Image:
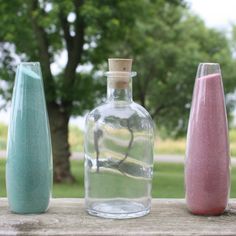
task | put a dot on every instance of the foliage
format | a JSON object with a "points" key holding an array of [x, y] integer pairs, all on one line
{"points": [[167, 46], [42, 30], [166, 41]]}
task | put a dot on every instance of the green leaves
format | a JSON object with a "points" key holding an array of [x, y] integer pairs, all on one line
{"points": [[166, 41]]}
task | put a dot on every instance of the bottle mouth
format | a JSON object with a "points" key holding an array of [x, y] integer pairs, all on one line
{"points": [[208, 68], [30, 70], [120, 74], [32, 63]]}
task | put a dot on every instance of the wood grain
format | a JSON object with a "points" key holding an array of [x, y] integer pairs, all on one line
{"points": [[68, 217]]}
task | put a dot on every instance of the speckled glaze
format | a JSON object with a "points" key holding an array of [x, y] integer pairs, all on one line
{"points": [[207, 172], [29, 158]]}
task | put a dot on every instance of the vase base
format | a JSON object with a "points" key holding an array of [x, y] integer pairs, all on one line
{"points": [[214, 212]]}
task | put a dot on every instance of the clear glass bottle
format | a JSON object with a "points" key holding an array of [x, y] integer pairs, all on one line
{"points": [[119, 138]]}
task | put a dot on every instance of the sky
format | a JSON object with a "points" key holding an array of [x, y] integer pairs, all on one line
{"points": [[218, 14]]}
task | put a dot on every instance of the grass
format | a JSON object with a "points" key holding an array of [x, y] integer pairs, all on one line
{"points": [[3, 136], [169, 146], [168, 181], [76, 139], [72, 190]]}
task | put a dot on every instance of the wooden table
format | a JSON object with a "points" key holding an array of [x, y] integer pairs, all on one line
{"points": [[68, 217]]}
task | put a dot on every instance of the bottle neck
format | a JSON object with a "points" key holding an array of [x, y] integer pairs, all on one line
{"points": [[119, 91]]}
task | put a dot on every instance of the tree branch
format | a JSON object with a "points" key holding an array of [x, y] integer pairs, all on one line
{"points": [[43, 49], [78, 41], [141, 93], [74, 55], [157, 110], [144, 87], [66, 30], [161, 107]]}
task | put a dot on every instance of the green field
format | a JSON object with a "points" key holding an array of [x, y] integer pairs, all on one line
{"points": [[162, 146], [167, 183], [168, 178]]}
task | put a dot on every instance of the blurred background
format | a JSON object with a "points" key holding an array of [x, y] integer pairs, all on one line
{"points": [[72, 40]]}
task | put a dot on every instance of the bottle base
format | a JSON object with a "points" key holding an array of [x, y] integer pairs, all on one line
{"points": [[118, 209], [216, 211], [28, 212], [23, 208]]}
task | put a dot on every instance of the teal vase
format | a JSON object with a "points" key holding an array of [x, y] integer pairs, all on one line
{"points": [[29, 154]]}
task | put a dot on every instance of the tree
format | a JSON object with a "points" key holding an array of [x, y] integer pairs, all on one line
{"points": [[39, 30], [165, 41], [171, 45]]}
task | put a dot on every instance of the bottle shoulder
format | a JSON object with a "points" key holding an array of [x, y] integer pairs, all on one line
{"points": [[141, 110], [115, 113], [119, 110]]}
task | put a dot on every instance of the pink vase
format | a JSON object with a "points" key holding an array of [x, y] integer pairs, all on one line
{"points": [[207, 164]]}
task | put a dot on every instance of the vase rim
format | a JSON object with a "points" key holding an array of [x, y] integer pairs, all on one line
{"points": [[209, 63], [30, 63]]}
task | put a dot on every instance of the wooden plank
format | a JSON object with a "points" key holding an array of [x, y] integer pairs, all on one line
{"points": [[68, 217]]}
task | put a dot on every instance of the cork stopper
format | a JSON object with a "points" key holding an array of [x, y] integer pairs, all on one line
{"points": [[119, 72], [116, 64]]}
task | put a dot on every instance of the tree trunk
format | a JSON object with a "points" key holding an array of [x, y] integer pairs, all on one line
{"points": [[59, 121]]}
